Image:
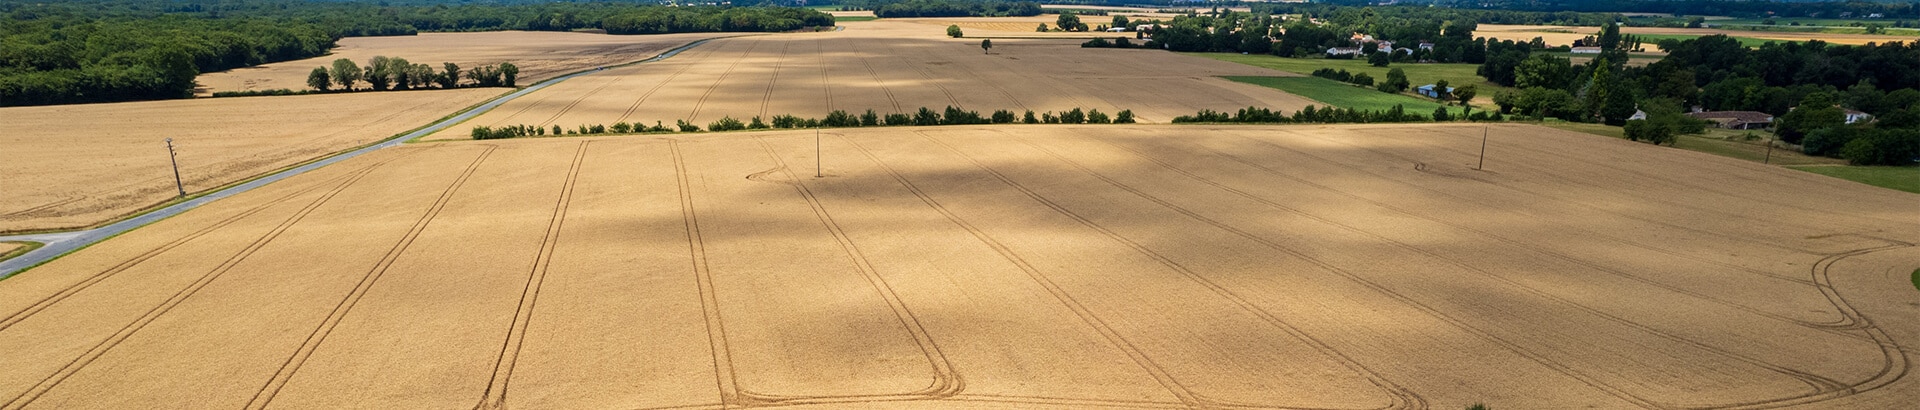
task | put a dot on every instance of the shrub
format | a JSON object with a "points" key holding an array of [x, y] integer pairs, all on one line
{"points": [[726, 124], [1441, 114], [1029, 119], [926, 117], [657, 127], [1002, 117], [1047, 117], [785, 121], [839, 118], [756, 124], [1362, 79], [869, 119], [897, 119], [556, 129], [1655, 132], [1074, 116], [622, 127], [1097, 117], [597, 129], [687, 126], [956, 116], [1123, 117]]}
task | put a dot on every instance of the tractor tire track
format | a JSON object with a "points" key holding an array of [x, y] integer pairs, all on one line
{"points": [[726, 380], [496, 395], [298, 358], [946, 381], [1402, 398], [130, 329], [877, 81], [656, 87], [694, 115], [136, 260], [767, 98], [1086, 315], [1819, 383]]}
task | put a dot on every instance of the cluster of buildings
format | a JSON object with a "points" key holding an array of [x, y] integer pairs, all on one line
{"points": [[1361, 40]]}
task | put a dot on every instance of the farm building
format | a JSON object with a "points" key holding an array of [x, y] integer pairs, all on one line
{"points": [[1427, 90], [1736, 120], [1343, 51], [1854, 116], [1586, 50]]}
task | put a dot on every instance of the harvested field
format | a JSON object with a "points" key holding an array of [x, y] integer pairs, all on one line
{"points": [[1149, 266], [888, 67], [539, 54], [72, 166]]}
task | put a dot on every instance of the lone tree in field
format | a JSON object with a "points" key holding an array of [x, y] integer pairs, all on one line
{"points": [[954, 31], [986, 46], [1042, 28], [318, 79], [1380, 59], [346, 73]]}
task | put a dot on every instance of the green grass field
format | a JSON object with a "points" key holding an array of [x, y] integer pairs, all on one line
{"points": [[855, 18], [1898, 178], [1418, 74], [1338, 94]]}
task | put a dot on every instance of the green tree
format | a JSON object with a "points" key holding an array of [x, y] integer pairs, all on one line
{"points": [[1067, 21], [1807, 118], [1541, 70], [1465, 93], [1042, 28], [1122, 22], [1029, 118], [318, 79], [375, 73], [1380, 59], [986, 46], [451, 77], [954, 31], [346, 73], [1441, 114], [1396, 81], [509, 72], [869, 118], [1440, 92], [1655, 132]]}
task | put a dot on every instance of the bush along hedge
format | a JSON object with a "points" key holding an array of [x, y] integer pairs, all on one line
{"points": [[836, 119]]}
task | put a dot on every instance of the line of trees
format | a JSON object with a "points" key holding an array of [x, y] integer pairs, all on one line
{"points": [[391, 73], [1310, 114], [948, 8], [836, 119]]}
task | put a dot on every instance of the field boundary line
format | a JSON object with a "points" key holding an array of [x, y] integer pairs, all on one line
{"points": [[127, 331], [82, 285], [299, 357], [1401, 397], [496, 395], [1819, 383], [1154, 370], [946, 381]]}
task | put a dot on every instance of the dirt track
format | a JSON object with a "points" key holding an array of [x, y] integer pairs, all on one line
{"points": [[994, 266], [889, 67]]}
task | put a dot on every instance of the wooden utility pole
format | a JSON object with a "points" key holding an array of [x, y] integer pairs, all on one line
{"points": [[175, 158], [1483, 148]]}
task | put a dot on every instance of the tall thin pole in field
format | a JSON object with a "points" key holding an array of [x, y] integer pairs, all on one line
{"points": [[175, 158], [1769, 159], [1483, 148], [816, 152]]}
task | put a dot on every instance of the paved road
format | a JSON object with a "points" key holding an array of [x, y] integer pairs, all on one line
{"points": [[62, 243]]}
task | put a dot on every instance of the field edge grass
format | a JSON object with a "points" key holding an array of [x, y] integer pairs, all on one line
{"points": [[25, 246]]}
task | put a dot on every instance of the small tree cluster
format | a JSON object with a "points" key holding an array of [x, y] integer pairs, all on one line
{"points": [[391, 73], [1341, 75], [1305, 115], [1117, 42], [510, 131]]}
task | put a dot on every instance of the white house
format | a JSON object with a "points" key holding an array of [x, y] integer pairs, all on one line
{"points": [[1856, 116], [1343, 51], [1586, 50]]}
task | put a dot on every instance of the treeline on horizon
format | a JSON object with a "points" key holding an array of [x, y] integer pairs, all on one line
{"points": [[1732, 8], [89, 51], [946, 8]]}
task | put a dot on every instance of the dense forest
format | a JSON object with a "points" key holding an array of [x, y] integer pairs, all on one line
{"points": [[124, 50]]}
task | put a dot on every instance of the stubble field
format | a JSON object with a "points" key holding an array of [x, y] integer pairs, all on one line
{"points": [[72, 166], [539, 55], [1352, 267], [888, 67]]}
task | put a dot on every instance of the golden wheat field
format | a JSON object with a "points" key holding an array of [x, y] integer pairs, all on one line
{"points": [[1010, 266], [539, 55], [70, 166], [887, 67]]}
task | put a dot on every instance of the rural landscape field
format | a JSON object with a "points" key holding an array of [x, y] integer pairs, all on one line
{"points": [[1203, 219]]}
